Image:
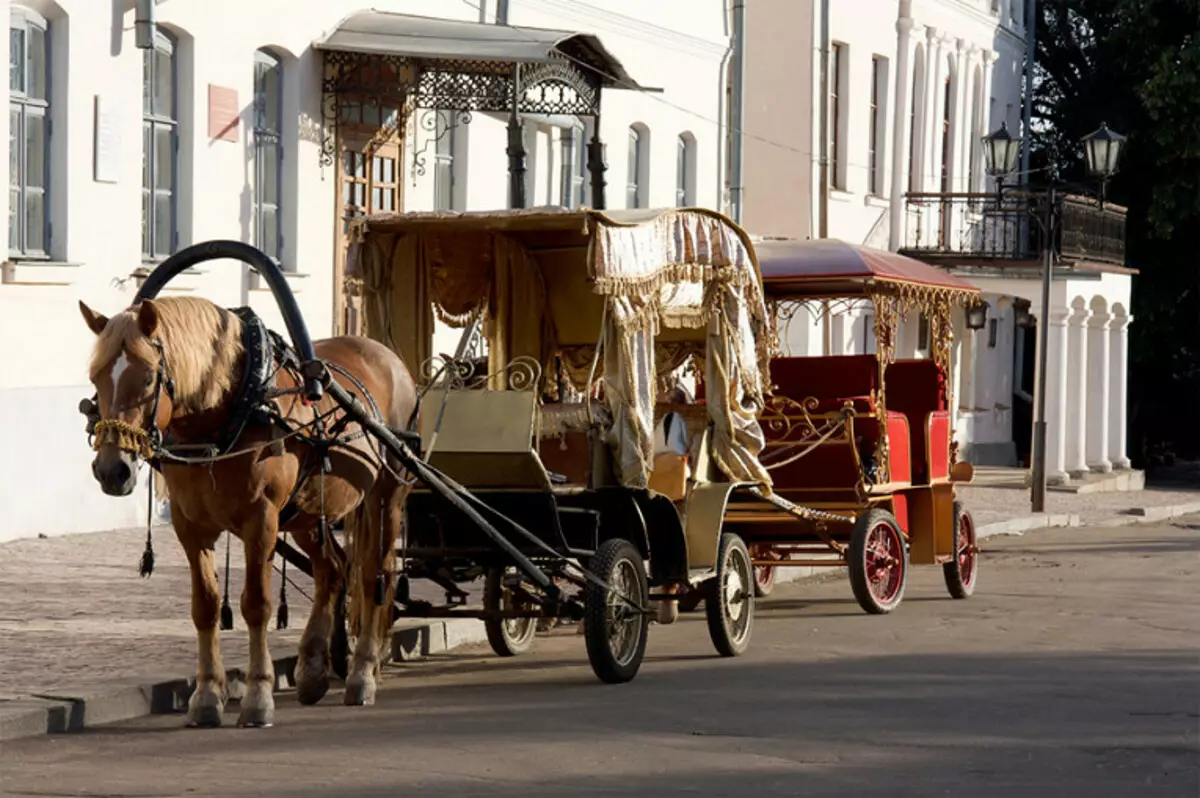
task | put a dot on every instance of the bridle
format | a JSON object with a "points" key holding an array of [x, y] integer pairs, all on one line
{"points": [[143, 442]]}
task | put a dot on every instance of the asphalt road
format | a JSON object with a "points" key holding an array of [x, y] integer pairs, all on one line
{"points": [[1072, 672]]}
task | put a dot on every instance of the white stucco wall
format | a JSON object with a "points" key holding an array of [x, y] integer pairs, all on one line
{"points": [[45, 481]]}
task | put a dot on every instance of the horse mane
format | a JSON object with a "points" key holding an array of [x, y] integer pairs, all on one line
{"points": [[201, 342]]}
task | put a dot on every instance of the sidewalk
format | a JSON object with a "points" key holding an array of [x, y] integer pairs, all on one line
{"points": [[76, 620]]}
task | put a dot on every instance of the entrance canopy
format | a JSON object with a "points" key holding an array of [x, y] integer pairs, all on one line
{"points": [[405, 35]]}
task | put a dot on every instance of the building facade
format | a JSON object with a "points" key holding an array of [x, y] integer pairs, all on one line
{"points": [[910, 88], [227, 126]]}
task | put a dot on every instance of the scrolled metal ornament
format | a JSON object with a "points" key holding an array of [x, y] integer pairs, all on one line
{"points": [[429, 121]]}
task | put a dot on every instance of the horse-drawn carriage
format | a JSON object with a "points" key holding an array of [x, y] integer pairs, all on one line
{"points": [[537, 472], [866, 439]]}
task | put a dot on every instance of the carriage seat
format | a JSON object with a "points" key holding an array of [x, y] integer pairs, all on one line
{"points": [[832, 381], [917, 389]]}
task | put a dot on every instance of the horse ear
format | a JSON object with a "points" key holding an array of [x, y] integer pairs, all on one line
{"points": [[95, 321], [148, 318]]}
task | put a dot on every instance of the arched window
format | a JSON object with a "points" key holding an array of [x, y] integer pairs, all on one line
{"points": [[160, 149], [268, 153], [637, 187], [28, 135], [685, 171]]}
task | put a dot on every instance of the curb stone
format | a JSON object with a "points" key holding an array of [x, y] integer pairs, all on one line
{"points": [[35, 715]]}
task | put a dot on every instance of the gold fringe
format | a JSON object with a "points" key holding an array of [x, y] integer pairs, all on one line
{"points": [[124, 436]]}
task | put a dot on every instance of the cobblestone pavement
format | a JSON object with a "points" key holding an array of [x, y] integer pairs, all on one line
{"points": [[1070, 672], [74, 613]]}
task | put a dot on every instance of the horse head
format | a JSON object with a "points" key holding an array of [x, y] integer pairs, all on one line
{"points": [[134, 399]]}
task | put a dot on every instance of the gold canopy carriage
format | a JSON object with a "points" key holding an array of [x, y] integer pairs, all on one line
{"points": [[586, 316]]}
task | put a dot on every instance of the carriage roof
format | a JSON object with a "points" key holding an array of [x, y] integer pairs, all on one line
{"points": [[826, 268]]}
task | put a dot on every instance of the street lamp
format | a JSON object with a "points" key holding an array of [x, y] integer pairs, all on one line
{"points": [[1102, 149], [977, 315]]}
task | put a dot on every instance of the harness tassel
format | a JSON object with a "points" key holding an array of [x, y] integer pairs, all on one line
{"points": [[226, 610], [146, 566], [281, 615]]}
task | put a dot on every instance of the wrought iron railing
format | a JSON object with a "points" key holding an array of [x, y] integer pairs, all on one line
{"points": [[1004, 227]]}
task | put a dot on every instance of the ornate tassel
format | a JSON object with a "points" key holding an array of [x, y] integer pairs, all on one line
{"points": [[146, 566], [226, 610], [281, 615]]}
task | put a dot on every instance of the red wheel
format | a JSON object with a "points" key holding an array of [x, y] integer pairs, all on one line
{"points": [[764, 575], [878, 562], [962, 571]]}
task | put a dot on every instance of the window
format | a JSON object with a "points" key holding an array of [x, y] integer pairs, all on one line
{"points": [[28, 135], [575, 176], [268, 153], [923, 335], [443, 169], [993, 332], [633, 192], [160, 149], [685, 171], [875, 170], [835, 111]]}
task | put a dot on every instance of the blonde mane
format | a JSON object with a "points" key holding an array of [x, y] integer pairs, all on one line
{"points": [[201, 341]]}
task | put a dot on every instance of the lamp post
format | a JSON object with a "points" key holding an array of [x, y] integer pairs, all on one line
{"points": [[1102, 150]]}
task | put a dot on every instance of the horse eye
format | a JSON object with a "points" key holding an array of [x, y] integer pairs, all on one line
{"points": [[149, 380]]}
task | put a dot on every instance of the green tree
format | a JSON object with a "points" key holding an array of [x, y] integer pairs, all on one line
{"points": [[1136, 65]]}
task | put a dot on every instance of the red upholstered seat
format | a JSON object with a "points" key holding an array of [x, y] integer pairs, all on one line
{"points": [[831, 380], [917, 388]]}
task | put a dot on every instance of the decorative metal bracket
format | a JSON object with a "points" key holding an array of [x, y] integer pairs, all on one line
{"points": [[428, 122]]}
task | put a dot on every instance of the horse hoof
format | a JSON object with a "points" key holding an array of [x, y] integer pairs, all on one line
{"points": [[257, 718], [204, 717], [360, 694], [312, 689]]}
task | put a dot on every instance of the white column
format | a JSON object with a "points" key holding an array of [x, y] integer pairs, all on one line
{"points": [[1056, 398], [989, 63], [962, 119], [1077, 393], [900, 131], [1119, 374], [934, 69], [1098, 391]]}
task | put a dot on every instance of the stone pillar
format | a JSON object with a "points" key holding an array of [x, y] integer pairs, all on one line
{"points": [[989, 63], [1119, 375], [962, 119], [900, 131], [1098, 392], [1056, 399], [934, 68], [1077, 393]]}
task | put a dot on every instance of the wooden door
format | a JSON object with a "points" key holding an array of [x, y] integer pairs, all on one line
{"points": [[368, 182]]}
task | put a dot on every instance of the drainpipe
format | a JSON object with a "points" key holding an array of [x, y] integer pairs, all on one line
{"points": [[1030, 57], [737, 108], [144, 25], [501, 12], [823, 196], [724, 88]]}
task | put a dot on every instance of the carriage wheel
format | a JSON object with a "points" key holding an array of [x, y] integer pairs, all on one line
{"points": [[339, 644], [764, 575], [961, 572], [878, 561], [614, 630], [730, 602], [507, 636]]}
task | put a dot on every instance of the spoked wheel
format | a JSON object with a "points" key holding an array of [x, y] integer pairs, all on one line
{"points": [[764, 575], [339, 644], [878, 561], [961, 572], [507, 636], [730, 602], [615, 621]]}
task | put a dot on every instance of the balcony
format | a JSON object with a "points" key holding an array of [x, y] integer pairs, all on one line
{"points": [[999, 231]]}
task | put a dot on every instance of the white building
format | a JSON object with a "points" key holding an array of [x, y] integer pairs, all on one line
{"points": [[227, 128], [912, 88]]}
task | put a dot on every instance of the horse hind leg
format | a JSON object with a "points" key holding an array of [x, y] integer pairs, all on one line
{"points": [[313, 663], [378, 523], [207, 702], [258, 537]]}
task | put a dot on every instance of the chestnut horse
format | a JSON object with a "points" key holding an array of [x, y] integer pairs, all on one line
{"points": [[170, 369]]}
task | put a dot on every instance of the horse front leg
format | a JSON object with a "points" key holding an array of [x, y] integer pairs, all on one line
{"points": [[378, 524], [258, 537], [313, 660], [207, 701]]}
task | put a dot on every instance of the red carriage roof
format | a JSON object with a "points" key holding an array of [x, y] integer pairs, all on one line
{"points": [[829, 267]]}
